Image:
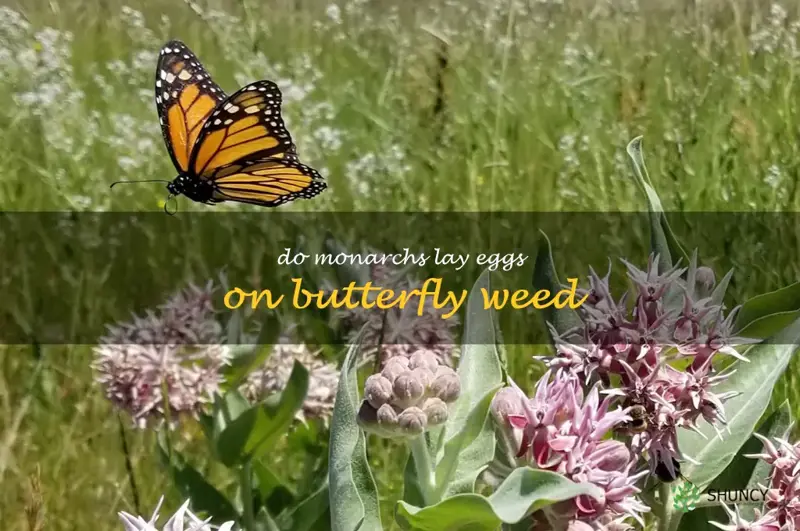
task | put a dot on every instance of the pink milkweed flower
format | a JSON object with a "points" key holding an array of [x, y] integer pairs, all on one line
{"points": [[171, 358], [560, 430], [783, 489], [177, 521], [765, 522], [634, 344]]}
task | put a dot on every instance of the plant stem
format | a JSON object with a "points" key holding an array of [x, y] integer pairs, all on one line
{"points": [[424, 468], [247, 497], [665, 497]]}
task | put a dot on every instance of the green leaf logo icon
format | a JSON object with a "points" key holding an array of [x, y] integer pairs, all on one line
{"points": [[685, 496]]}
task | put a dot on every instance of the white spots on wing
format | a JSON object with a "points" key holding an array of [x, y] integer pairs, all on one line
{"points": [[185, 56], [170, 77], [273, 123], [165, 95], [231, 108], [252, 87], [174, 93], [262, 89], [185, 75], [158, 83], [217, 121], [252, 109], [166, 50], [228, 121], [213, 89], [199, 76], [163, 75]]}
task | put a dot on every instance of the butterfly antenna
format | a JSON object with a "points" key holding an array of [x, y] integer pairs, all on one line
{"points": [[143, 181]]}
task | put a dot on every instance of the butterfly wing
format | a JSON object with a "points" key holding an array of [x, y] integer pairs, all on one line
{"points": [[185, 99], [267, 182], [246, 126]]}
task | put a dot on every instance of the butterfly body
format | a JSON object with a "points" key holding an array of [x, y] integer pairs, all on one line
{"points": [[227, 148]]}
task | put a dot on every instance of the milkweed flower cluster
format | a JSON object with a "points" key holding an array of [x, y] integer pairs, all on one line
{"points": [[782, 501], [400, 331], [177, 522], [171, 357], [674, 314], [561, 431], [273, 376], [408, 396]]}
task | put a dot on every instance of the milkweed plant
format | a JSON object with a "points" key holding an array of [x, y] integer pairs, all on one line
{"points": [[650, 399]]}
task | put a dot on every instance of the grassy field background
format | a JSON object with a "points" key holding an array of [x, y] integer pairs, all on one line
{"points": [[457, 105]]}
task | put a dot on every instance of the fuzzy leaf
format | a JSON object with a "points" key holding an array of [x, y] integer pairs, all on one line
{"points": [[353, 494], [480, 371], [524, 491], [754, 380], [546, 277], [662, 239], [784, 300]]}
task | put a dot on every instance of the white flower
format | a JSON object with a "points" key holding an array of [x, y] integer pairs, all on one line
{"points": [[176, 523]]}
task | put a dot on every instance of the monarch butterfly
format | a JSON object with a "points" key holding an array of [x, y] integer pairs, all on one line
{"points": [[226, 148]]}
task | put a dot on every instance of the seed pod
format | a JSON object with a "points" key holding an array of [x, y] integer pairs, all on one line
{"points": [[412, 421], [408, 390], [436, 411], [394, 368], [377, 390], [446, 387], [425, 359]]}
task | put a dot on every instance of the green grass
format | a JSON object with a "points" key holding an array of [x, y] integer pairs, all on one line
{"points": [[538, 105]]}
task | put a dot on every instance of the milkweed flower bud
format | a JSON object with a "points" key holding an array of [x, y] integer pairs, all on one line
{"points": [[423, 375], [394, 368], [408, 389], [446, 386], [704, 280], [377, 390], [412, 421], [424, 359], [387, 416], [436, 411], [409, 395]]}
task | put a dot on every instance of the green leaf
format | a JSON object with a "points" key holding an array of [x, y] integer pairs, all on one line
{"points": [[768, 325], [523, 492], [662, 239], [191, 484], [480, 372], [254, 431], [265, 522], [273, 492], [246, 358], [308, 512], [353, 494], [546, 277], [742, 473], [755, 381], [779, 301], [474, 426]]}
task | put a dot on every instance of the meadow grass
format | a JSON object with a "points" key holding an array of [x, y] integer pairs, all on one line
{"points": [[445, 106]]}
